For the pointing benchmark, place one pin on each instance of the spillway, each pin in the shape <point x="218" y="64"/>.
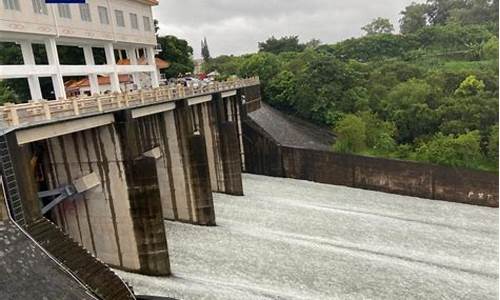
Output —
<point x="291" y="239"/>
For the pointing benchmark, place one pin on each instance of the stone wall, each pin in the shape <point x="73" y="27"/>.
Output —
<point x="265" y="156"/>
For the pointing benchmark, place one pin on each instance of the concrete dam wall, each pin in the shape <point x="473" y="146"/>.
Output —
<point x="139" y="166"/>
<point x="296" y="153"/>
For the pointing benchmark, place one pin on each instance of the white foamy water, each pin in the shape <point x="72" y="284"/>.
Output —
<point x="291" y="239"/>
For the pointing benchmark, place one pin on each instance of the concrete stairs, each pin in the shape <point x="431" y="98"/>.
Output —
<point x="92" y="272"/>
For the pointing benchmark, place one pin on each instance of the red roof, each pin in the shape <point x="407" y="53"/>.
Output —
<point x="160" y="63"/>
<point x="103" y="80"/>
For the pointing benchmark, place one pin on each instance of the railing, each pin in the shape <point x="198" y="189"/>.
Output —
<point x="12" y="115"/>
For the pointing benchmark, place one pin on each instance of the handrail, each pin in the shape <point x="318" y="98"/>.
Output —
<point x="13" y="115"/>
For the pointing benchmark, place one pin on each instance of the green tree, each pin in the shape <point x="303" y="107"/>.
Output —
<point x="475" y="12"/>
<point x="378" y="26"/>
<point x="372" y="47"/>
<point x="453" y="38"/>
<point x="283" y="44"/>
<point x="205" y="53"/>
<point x="493" y="145"/>
<point x="282" y="87"/>
<point x="408" y="106"/>
<point x="351" y="135"/>
<point x="457" y="151"/>
<point x="470" y="86"/>
<point x="313" y="44"/>
<point x="178" y="53"/>
<point x="265" y="65"/>
<point x="226" y="65"/>
<point x="490" y="49"/>
<point x="379" y="134"/>
<point x="414" y="18"/>
<point x="328" y="88"/>
<point x="439" y="10"/>
<point x="7" y="94"/>
<point x="461" y="114"/>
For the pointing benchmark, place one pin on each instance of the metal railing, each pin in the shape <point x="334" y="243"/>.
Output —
<point x="12" y="115"/>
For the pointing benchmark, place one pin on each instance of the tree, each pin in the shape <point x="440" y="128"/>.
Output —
<point x="378" y="26"/>
<point x="372" y="47"/>
<point x="475" y="12"/>
<point x="205" y="53"/>
<point x="178" y="53"/>
<point x="379" y="134"/>
<point x="265" y="65"/>
<point x="414" y="17"/>
<point x="493" y="145"/>
<point x="351" y="135"/>
<point x="490" y="49"/>
<point x="283" y="44"/>
<point x="470" y="86"/>
<point x="460" y="114"/>
<point x="407" y="105"/>
<point x="439" y="10"/>
<point x="456" y="151"/>
<point x="328" y="88"/>
<point x="313" y="43"/>
<point x="226" y="65"/>
<point x="282" y="87"/>
<point x="7" y="94"/>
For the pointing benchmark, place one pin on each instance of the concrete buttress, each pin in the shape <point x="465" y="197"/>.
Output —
<point x="144" y="196"/>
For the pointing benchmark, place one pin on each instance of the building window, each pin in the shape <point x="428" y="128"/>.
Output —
<point x="85" y="12"/>
<point x="133" y="21"/>
<point x="64" y="11"/>
<point x="103" y="14"/>
<point x="147" y="23"/>
<point x="11" y="4"/>
<point x="120" y="20"/>
<point x="39" y="7"/>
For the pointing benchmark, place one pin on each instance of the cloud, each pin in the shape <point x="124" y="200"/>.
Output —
<point x="235" y="27"/>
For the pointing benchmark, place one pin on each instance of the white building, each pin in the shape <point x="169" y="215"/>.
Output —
<point x="125" y="25"/>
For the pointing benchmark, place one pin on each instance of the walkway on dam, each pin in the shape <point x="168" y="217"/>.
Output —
<point x="290" y="239"/>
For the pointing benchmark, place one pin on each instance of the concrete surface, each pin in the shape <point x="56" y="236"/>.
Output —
<point x="26" y="272"/>
<point x="290" y="239"/>
<point x="288" y="130"/>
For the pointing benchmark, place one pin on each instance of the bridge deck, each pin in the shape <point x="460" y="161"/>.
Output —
<point x="290" y="239"/>
<point x="17" y="115"/>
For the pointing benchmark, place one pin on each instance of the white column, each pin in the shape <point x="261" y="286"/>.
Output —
<point x="29" y="59"/>
<point x="111" y="61"/>
<point x="132" y="56"/>
<point x="53" y="58"/>
<point x="155" y="77"/>
<point x="89" y="61"/>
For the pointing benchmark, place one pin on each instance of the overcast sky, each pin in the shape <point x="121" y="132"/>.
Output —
<point x="236" y="26"/>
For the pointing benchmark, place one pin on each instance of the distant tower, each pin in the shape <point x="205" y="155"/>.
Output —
<point x="205" y="53"/>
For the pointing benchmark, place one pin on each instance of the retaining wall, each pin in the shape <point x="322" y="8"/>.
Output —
<point x="266" y="157"/>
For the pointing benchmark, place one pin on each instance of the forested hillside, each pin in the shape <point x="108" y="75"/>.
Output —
<point x="429" y="93"/>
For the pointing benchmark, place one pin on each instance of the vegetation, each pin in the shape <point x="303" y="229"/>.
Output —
<point x="205" y="52"/>
<point x="178" y="53"/>
<point x="427" y="94"/>
<point x="378" y="26"/>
